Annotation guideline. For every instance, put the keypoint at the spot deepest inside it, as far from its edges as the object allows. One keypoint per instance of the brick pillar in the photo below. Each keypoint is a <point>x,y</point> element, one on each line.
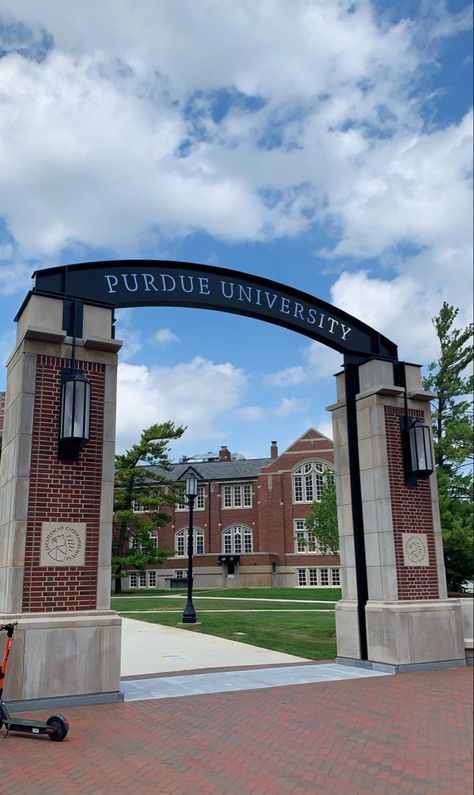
<point>56,516</point>
<point>410,622</point>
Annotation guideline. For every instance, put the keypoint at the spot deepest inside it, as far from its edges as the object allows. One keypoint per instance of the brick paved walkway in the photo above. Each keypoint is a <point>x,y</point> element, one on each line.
<point>394,734</point>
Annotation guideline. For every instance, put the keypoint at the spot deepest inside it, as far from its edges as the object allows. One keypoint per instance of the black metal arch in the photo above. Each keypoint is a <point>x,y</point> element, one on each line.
<point>133,283</point>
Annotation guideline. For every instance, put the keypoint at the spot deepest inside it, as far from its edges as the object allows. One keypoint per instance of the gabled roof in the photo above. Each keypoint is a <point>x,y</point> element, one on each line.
<point>216,470</point>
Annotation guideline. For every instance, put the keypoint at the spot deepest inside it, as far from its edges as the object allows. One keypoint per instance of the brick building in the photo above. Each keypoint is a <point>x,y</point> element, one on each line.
<point>249,521</point>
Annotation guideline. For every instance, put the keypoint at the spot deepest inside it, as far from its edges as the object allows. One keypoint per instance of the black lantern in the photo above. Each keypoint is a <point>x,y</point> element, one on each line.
<point>75,414</point>
<point>421,459</point>
<point>417,454</point>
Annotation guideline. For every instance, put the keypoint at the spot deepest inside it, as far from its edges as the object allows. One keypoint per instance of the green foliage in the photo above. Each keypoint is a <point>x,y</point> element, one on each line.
<point>140,499</point>
<point>457,528</point>
<point>450,378</point>
<point>322,519</point>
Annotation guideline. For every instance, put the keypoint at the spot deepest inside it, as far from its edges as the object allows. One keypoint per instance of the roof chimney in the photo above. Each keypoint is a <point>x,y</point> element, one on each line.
<point>274,450</point>
<point>224,453</point>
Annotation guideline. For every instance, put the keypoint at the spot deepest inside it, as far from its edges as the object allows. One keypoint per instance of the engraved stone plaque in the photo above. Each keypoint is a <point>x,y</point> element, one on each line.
<point>63,544</point>
<point>415,549</point>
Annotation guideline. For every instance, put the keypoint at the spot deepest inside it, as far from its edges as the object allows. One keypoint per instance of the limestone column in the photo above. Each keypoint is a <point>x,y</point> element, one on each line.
<point>56,516</point>
<point>410,622</point>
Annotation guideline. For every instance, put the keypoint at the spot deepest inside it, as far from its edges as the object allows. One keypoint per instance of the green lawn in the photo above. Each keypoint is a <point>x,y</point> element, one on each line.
<point>303,594</point>
<point>288,626</point>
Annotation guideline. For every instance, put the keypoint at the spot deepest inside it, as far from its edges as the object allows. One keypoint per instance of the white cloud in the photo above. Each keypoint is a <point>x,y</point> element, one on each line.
<point>287,377</point>
<point>92,133</point>
<point>322,362</point>
<point>111,140</point>
<point>250,413</point>
<point>164,336</point>
<point>401,309</point>
<point>289,406</point>
<point>197,394</point>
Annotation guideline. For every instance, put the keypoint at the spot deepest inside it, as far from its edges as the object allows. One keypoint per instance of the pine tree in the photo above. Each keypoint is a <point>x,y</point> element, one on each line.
<point>450,378</point>
<point>140,500</point>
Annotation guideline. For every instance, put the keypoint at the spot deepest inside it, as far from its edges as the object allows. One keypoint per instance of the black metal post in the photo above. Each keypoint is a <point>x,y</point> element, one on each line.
<point>189,614</point>
<point>352,387</point>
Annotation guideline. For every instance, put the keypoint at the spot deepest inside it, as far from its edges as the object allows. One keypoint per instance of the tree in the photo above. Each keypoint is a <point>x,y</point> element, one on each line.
<point>139,498</point>
<point>450,378</point>
<point>322,518</point>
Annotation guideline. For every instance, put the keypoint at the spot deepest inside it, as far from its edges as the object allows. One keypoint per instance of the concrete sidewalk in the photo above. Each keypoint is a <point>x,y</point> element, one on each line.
<point>155,649</point>
<point>155,660</point>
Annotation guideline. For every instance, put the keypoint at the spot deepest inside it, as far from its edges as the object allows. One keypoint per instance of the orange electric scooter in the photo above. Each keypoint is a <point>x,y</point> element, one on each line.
<point>56,727</point>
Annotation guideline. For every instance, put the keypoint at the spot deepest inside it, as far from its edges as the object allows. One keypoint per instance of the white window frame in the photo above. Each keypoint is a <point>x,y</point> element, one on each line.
<point>236,495</point>
<point>318,577</point>
<point>199,502</point>
<point>308,481</point>
<point>153,535</point>
<point>143,579</point>
<point>138,508</point>
<point>305,541</point>
<point>181,542</point>
<point>237,539</point>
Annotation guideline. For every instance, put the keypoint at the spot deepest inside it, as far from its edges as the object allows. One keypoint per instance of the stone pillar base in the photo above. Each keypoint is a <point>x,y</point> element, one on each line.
<point>403,635</point>
<point>347,629</point>
<point>63,654</point>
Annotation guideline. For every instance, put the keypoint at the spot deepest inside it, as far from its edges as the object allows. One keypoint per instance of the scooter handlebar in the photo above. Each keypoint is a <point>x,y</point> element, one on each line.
<point>8,626</point>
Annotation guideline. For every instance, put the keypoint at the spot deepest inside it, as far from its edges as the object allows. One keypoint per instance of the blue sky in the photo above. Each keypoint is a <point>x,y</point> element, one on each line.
<point>320,143</point>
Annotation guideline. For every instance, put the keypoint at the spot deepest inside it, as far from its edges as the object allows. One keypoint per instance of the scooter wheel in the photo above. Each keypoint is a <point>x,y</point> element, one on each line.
<point>60,726</point>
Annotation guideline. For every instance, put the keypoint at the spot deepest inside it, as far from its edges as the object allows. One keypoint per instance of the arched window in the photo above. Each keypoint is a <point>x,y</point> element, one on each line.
<point>308,480</point>
<point>181,544</point>
<point>237,539</point>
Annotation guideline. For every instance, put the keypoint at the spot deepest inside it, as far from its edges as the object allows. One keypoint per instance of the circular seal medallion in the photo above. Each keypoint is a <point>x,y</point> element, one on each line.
<point>63,544</point>
<point>415,549</point>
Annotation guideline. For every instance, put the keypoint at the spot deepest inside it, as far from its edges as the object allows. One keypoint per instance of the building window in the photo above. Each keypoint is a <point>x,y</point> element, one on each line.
<point>142,579</point>
<point>181,544</point>
<point>335,577</point>
<point>318,577</point>
<point>308,481</point>
<point>238,495</point>
<point>133,543</point>
<point>141,507</point>
<point>305,541</point>
<point>179,574</point>
<point>237,540</point>
<point>199,502</point>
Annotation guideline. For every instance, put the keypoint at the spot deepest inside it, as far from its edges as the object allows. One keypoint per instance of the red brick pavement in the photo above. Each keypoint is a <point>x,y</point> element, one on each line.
<point>409,733</point>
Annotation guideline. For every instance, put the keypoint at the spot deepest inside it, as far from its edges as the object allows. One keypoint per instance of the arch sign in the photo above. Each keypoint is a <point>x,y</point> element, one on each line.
<point>133,283</point>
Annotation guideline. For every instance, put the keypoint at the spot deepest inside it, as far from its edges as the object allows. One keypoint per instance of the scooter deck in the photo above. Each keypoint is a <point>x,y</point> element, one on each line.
<point>22,724</point>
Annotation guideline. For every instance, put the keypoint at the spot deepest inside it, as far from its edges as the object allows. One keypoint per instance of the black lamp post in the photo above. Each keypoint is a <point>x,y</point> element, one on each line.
<point>190,490</point>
